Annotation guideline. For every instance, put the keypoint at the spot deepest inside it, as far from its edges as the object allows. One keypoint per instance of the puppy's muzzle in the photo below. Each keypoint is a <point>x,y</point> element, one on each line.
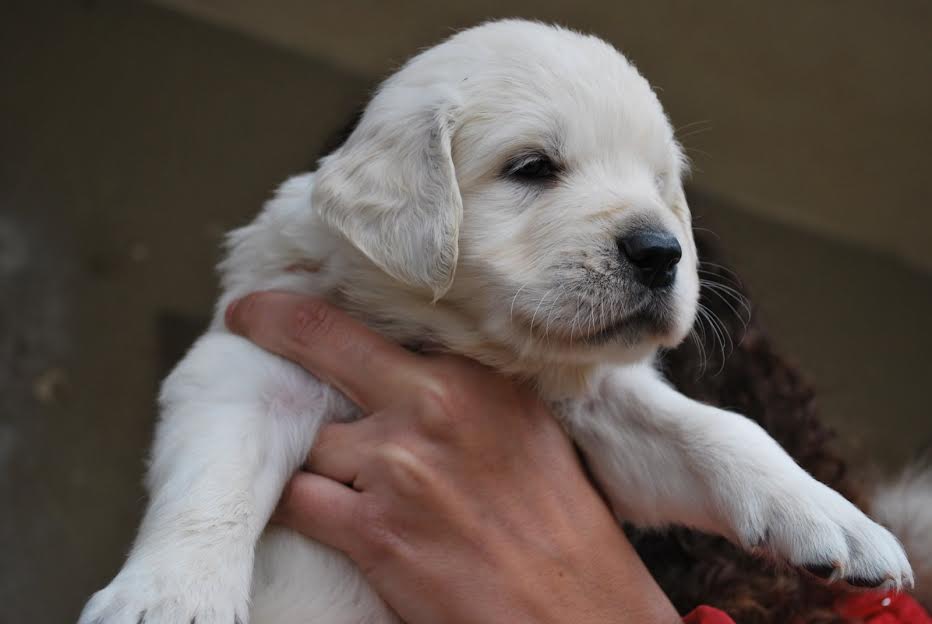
<point>654,255</point>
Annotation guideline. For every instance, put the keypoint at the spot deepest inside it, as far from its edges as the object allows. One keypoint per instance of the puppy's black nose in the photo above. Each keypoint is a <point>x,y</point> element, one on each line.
<point>654,254</point>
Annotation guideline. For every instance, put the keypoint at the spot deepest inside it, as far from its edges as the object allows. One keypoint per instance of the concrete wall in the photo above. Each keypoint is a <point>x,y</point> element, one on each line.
<point>813,113</point>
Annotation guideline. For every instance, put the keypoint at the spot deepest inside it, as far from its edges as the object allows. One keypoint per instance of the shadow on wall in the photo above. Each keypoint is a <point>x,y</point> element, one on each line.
<point>817,112</point>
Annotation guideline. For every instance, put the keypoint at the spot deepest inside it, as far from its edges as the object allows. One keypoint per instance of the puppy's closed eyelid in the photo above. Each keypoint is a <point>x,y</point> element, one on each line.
<point>518,160</point>
<point>532,168</point>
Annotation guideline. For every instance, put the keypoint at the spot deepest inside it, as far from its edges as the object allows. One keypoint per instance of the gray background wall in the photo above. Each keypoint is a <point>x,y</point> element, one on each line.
<point>815,114</point>
<point>132,135</point>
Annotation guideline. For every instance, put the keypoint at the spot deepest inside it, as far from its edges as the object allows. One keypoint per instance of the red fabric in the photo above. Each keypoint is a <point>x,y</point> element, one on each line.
<point>870,608</point>
<point>707,615</point>
<point>882,608</point>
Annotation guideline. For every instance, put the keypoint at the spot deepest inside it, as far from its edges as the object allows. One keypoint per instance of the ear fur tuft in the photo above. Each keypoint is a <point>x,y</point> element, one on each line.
<point>391,190</point>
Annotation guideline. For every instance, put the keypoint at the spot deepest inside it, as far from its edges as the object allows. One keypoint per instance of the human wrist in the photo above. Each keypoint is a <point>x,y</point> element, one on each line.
<point>585,575</point>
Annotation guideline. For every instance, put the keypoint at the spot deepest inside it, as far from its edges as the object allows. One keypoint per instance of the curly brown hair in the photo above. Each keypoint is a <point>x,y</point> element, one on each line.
<point>752,378</point>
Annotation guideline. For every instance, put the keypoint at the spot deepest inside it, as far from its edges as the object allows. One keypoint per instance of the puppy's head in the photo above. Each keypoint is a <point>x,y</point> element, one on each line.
<point>524,179</point>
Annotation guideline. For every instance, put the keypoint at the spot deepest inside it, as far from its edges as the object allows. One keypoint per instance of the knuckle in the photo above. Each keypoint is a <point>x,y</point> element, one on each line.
<point>310,320</point>
<point>327,436</point>
<point>240,314</point>
<point>326,440</point>
<point>407,472</point>
<point>377,535</point>
<point>437,403</point>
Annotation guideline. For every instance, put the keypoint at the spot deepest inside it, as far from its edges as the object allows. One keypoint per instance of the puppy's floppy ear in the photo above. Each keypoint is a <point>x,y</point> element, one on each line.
<point>391,190</point>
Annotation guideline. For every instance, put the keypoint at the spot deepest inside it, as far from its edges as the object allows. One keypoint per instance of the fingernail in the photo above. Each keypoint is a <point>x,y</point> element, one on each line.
<point>229,318</point>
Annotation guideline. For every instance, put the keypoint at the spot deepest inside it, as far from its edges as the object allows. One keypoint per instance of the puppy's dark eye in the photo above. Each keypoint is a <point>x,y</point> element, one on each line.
<point>533,169</point>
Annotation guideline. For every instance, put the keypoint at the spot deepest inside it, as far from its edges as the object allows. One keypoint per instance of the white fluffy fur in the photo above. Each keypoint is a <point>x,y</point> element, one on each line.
<point>905,505</point>
<point>414,228</point>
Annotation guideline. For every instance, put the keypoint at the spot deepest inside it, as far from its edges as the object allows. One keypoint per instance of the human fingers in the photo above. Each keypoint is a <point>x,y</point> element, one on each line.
<point>321,509</point>
<point>341,448</point>
<point>327,342</point>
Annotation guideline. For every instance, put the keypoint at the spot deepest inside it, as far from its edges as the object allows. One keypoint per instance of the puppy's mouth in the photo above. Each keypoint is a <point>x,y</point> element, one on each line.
<point>650,320</point>
<point>653,318</point>
<point>631,328</point>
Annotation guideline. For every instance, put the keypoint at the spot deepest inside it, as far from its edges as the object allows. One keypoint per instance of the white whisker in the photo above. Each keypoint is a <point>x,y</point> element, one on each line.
<point>511,313</point>
<point>743,318</point>
<point>553,307</point>
<point>537,309</point>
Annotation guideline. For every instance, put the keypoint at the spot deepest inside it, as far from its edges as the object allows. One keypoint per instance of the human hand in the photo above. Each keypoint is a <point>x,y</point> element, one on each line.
<point>459,496</point>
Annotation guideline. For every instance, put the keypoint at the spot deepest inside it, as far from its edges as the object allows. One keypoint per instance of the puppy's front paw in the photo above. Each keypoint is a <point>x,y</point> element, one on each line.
<point>177,594</point>
<point>814,528</point>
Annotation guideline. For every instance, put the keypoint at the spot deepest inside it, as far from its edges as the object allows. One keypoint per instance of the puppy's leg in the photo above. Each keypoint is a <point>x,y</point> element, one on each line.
<point>663,458</point>
<point>236,422</point>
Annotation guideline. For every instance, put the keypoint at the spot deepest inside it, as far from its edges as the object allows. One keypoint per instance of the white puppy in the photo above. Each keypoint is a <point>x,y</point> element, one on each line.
<point>512,194</point>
